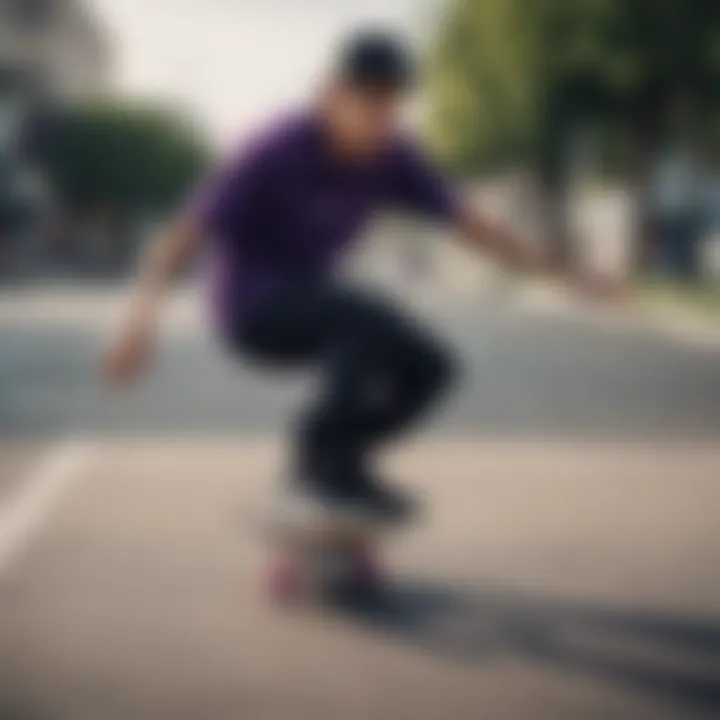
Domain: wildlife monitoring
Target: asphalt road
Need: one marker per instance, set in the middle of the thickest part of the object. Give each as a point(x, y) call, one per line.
point(567, 566)
point(524, 374)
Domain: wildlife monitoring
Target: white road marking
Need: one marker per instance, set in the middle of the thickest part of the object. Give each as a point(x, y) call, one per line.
point(23, 517)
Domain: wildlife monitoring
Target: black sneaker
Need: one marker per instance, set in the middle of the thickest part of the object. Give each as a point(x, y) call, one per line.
point(387, 503)
point(307, 501)
point(349, 489)
point(371, 501)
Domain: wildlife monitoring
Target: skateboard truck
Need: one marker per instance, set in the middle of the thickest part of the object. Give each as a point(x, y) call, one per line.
point(328, 560)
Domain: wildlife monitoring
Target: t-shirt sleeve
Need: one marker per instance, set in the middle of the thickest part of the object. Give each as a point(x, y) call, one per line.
point(419, 186)
point(222, 203)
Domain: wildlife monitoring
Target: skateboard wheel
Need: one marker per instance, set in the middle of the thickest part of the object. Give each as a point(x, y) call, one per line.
point(367, 573)
point(283, 582)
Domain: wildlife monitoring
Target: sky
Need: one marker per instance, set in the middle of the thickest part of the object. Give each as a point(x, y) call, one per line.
point(230, 62)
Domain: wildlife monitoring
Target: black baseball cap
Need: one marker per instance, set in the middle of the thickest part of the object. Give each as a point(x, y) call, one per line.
point(377, 59)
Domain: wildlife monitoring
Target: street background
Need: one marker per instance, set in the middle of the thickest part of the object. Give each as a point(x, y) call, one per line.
point(567, 564)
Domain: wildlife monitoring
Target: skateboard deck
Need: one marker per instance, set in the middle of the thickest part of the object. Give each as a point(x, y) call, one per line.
point(322, 557)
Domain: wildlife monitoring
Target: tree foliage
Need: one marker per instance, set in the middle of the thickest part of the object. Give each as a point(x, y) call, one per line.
point(511, 78)
point(124, 156)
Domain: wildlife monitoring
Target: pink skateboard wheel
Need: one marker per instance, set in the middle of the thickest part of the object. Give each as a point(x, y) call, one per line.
point(283, 582)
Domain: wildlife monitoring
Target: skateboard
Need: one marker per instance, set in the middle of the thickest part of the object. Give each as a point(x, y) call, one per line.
point(325, 559)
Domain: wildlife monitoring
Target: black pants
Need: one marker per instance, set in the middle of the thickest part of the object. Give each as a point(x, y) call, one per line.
point(379, 370)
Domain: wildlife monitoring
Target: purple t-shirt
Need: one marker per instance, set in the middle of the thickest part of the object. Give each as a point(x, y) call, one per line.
point(286, 207)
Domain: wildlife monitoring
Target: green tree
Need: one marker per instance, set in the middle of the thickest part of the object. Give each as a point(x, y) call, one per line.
point(128, 157)
point(515, 80)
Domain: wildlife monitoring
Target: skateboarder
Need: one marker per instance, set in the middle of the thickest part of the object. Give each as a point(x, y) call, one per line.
point(274, 221)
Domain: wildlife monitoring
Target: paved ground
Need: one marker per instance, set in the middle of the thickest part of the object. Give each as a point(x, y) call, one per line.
point(567, 567)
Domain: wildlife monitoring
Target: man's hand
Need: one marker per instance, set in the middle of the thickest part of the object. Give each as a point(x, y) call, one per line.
point(598, 286)
point(129, 353)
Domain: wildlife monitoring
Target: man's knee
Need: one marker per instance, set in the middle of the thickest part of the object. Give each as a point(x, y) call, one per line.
point(447, 367)
point(435, 366)
point(421, 359)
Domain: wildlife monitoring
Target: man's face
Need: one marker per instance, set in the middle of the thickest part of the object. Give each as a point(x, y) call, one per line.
point(363, 120)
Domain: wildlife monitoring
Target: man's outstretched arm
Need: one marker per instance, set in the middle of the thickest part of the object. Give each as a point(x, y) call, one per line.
point(132, 346)
point(495, 241)
point(422, 187)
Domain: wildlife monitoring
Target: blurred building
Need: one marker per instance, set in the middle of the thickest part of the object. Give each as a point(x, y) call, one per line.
point(51, 52)
point(52, 47)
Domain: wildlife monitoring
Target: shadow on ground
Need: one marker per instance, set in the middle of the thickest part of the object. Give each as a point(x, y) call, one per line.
point(672, 658)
